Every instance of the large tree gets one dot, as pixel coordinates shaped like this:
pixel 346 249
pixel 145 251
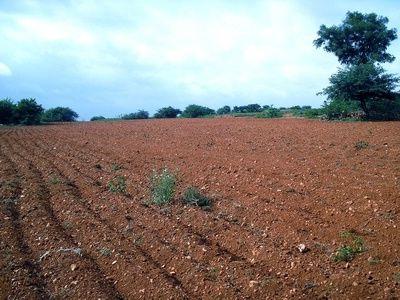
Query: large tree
pixel 360 39
pixel 360 44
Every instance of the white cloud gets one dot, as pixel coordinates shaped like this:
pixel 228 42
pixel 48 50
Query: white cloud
pixel 4 70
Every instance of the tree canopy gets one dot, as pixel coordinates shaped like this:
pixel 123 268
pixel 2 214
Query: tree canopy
pixel 167 112
pixel 360 39
pixel 59 114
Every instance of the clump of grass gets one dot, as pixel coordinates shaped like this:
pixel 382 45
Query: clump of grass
pixel 115 167
pixel 349 252
pixel 117 185
pixel 212 274
pixel 193 196
pixel 162 187
pixel 105 251
pixel 55 180
pixel 361 145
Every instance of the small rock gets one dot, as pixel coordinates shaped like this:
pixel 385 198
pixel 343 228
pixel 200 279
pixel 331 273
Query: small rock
pixel 253 283
pixel 73 267
pixel 302 248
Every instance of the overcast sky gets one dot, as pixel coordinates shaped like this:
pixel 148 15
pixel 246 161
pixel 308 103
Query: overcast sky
pixel 112 57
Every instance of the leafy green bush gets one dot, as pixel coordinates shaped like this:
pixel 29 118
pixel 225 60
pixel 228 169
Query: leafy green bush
pixel 224 110
pixel 167 112
pixel 195 111
pixel 250 108
pixel 340 109
pixel 313 113
pixel 162 187
pixel 7 111
pixel 59 114
pixel 117 185
pixel 28 112
pixel 141 114
pixel 271 113
pixel 349 252
pixel 97 118
pixel 193 196
pixel 384 110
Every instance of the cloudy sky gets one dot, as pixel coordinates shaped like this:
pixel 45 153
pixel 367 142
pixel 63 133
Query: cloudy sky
pixel 112 57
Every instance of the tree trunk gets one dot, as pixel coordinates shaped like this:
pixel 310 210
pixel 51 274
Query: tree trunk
pixel 364 108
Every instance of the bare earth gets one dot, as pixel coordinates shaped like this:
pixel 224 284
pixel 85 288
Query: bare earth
pixel 275 184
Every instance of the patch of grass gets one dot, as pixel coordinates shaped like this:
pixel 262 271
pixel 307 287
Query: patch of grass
pixel 212 274
pixel 138 240
pixel 66 225
pixel 361 145
pixel 117 185
pixel 162 187
pixel 349 252
pixel 55 180
pixel 396 277
pixel 105 251
pixel 193 196
pixel 115 167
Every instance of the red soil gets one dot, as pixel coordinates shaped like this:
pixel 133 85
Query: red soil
pixel 275 184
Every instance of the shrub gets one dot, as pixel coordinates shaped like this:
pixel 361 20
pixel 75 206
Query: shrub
pixel 193 196
pixel 7 111
pixel 167 112
pixel 28 112
pixel 384 110
pixel 313 113
pixel 141 114
pixel 59 114
pixel 195 111
pixel 361 145
pixel 271 113
pixel 162 187
pixel 97 118
pixel 117 185
pixel 340 109
pixel 224 110
pixel 250 108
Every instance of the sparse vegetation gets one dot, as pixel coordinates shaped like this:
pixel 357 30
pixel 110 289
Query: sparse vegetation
pixel 115 167
pixel 59 114
pixel 98 118
pixel 117 185
pixel 141 114
pixel 361 145
pixel 193 196
pixel 162 187
pixel 105 251
pixel 349 252
pixel 271 113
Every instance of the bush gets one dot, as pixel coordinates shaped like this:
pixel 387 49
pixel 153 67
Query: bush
pixel 192 196
pixel 313 113
pixel 141 114
pixel 97 118
pixel 195 111
pixel 167 112
pixel 7 111
pixel 250 108
pixel 384 110
pixel 59 114
pixel 341 109
pixel 224 110
pixel 28 112
pixel 271 113
pixel 162 187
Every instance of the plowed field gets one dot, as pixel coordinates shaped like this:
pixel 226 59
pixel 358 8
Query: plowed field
pixel 275 184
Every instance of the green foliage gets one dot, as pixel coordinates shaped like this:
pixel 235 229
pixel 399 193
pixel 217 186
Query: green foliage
pixel 349 252
pixel 59 114
pixel 167 112
pixel 340 109
pixel 195 111
pixel 115 167
pixel 224 110
pixel 141 114
pixel 313 113
pixel 271 113
pixel 162 187
pixel 361 145
pixel 7 111
pixel 193 196
pixel 97 118
pixel 384 110
pixel 250 108
pixel 28 112
pixel 360 39
pixel 117 185
pixel 365 83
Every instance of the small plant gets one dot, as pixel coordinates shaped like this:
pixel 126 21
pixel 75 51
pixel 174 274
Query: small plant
pixel 212 274
pixel 55 180
pixel 115 167
pixel 396 277
pixel 361 145
pixel 348 252
pixel 105 251
pixel 193 196
pixel 162 187
pixel 117 185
